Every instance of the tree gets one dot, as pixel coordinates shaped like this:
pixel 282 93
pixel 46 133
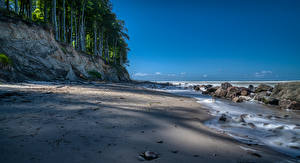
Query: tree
pixel 54 19
pixel 16 7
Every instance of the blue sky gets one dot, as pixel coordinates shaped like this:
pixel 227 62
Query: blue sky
pixel 212 39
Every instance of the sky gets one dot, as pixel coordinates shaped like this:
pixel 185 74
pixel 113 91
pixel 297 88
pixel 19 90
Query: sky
pixel 212 39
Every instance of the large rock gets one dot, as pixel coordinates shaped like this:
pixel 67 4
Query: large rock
pixel 290 91
pixel 225 85
pixel 233 92
pixel 36 55
pixel 263 87
pixel 288 95
pixel 211 90
pixel 220 92
pixel 288 104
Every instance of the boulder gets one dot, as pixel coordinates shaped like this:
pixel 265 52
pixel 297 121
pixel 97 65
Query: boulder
pixel 263 87
pixel 251 88
pixel 260 96
pixel 288 95
pixel 237 99
pixel 197 87
pixel 270 100
pixel 245 92
pixel 289 91
pixel 220 92
pixel 233 92
pixel 210 90
pixel 225 85
pixel 288 104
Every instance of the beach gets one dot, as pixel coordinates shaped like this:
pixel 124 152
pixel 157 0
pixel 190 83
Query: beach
pixel 105 122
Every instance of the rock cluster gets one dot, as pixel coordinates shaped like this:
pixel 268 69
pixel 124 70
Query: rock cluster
pixel 284 95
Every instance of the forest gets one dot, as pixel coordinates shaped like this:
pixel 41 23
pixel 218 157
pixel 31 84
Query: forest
pixel 89 26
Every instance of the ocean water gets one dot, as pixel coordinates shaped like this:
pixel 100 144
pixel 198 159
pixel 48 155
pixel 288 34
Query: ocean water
pixel 249 122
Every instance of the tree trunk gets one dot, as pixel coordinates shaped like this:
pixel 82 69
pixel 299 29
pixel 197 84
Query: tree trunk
pixel 95 38
pixel 100 49
pixel 115 51
pixel 45 11
pixel 2 3
pixel 7 4
pixel 30 10
pixel 76 34
pixel 106 53
pixel 71 33
pixel 121 59
pixel 54 19
pixel 64 20
pixel 16 7
pixel 82 32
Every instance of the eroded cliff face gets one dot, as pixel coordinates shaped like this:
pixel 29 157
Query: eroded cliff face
pixel 35 55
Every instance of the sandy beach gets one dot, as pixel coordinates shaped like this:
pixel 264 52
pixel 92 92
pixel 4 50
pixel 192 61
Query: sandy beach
pixel 105 122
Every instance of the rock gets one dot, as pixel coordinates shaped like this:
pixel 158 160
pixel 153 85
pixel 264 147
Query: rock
pixel 223 118
pixel 289 91
pixel 233 92
pixel 237 99
pixel 288 104
pixel 270 100
pixel 148 155
pixel 251 125
pixel 225 85
pixel 245 98
pixel 251 88
pixel 196 87
pixel 245 92
pixel 220 92
pixel 210 90
pixel 260 96
pixel 263 87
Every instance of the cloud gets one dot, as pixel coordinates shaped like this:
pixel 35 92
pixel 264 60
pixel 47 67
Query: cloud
pixel 171 74
pixel 158 73
pixel 140 74
pixel 205 75
pixel 263 73
pixel 182 73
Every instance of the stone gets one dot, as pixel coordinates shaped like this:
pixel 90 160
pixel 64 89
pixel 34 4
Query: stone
pixel 289 104
pixel 220 92
pixel 233 92
pixel 287 91
pixel 223 118
pixel 149 155
pixel 225 85
pixel 263 87
pixel 244 92
pixel 270 100
pixel 251 88
pixel 237 99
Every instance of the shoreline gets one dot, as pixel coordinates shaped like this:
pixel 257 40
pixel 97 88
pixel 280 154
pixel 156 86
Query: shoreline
pixel 112 122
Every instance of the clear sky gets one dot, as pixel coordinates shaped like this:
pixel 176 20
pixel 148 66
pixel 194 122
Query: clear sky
pixel 212 39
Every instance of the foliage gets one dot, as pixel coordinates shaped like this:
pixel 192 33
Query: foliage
pixel 100 25
pixel 4 60
pixel 95 74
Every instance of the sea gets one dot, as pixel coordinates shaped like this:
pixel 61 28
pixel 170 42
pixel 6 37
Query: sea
pixel 250 122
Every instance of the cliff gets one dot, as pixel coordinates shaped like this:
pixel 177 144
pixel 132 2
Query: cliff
pixel 30 52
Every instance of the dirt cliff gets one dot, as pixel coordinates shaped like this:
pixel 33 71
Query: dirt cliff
pixel 33 54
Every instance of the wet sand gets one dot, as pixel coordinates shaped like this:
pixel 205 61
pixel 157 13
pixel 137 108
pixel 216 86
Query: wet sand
pixel 105 122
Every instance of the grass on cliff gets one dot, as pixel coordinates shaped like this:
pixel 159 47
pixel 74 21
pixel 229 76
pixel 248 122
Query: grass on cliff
pixel 95 74
pixel 4 60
